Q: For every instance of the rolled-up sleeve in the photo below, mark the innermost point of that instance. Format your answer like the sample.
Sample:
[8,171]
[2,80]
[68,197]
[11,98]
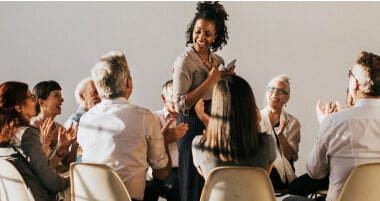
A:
[181,84]
[157,156]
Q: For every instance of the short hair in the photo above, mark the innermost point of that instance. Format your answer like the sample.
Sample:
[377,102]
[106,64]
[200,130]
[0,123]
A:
[42,91]
[369,79]
[11,94]
[232,132]
[80,87]
[280,78]
[110,74]
[212,11]
[165,87]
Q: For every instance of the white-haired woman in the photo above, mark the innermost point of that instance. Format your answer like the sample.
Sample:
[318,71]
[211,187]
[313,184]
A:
[284,128]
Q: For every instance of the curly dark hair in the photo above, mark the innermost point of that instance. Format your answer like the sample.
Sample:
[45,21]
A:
[371,64]
[212,11]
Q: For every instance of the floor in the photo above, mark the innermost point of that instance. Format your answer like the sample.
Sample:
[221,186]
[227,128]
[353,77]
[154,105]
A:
[277,198]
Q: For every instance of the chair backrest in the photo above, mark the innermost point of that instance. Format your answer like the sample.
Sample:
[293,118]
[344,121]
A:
[96,182]
[234,183]
[362,184]
[12,185]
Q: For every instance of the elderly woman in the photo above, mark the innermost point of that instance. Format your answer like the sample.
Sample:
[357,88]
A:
[284,128]
[20,143]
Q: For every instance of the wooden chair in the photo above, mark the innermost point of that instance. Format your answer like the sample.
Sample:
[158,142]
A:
[234,183]
[12,185]
[362,184]
[96,182]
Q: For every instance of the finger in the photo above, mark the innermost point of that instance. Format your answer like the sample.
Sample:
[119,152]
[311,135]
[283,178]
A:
[340,107]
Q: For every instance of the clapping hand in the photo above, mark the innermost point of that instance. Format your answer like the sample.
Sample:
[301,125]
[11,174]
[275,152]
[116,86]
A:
[67,136]
[46,130]
[324,111]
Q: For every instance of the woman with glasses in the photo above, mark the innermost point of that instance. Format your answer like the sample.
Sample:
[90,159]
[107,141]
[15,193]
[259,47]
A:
[20,143]
[284,128]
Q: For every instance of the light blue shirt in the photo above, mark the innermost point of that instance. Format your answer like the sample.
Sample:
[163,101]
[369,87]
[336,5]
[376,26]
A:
[346,139]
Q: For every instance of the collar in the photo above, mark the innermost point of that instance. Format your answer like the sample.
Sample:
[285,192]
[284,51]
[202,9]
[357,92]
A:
[118,100]
[367,101]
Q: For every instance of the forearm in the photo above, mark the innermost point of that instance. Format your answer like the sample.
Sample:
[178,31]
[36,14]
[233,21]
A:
[289,152]
[193,96]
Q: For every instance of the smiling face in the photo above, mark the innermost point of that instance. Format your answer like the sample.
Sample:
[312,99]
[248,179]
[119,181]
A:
[203,35]
[28,107]
[51,106]
[90,96]
[277,95]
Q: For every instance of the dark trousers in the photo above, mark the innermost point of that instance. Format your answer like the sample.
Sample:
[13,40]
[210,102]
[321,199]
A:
[167,188]
[190,182]
[305,185]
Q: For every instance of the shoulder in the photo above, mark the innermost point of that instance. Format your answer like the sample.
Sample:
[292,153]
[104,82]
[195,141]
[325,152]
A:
[219,59]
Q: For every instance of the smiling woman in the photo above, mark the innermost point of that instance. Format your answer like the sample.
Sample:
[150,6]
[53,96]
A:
[194,75]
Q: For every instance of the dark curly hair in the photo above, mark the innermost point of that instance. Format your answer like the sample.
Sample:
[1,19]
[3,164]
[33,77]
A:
[212,11]
[371,64]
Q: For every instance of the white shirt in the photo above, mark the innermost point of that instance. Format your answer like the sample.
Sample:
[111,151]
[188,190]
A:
[164,114]
[292,133]
[125,137]
[346,139]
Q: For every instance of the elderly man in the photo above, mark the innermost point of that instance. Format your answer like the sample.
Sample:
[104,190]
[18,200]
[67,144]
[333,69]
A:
[86,96]
[117,133]
[351,137]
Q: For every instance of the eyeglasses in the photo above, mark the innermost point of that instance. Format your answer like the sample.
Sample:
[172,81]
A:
[278,90]
[351,74]
[33,97]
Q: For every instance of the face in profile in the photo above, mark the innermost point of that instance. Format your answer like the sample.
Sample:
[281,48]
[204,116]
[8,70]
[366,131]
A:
[204,34]
[277,94]
[167,98]
[28,107]
[90,95]
[52,104]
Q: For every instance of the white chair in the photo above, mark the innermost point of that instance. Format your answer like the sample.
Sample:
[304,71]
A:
[96,182]
[12,185]
[362,184]
[234,183]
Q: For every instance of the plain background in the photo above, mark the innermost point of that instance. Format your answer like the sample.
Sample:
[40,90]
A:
[314,43]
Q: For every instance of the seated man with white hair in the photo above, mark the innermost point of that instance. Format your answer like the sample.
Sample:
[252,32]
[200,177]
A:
[117,133]
[86,96]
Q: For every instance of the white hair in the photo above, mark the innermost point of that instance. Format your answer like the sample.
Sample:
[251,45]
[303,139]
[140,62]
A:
[110,74]
[280,78]
[80,87]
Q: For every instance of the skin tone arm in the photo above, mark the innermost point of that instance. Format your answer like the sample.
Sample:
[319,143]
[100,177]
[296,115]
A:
[288,150]
[200,110]
[213,76]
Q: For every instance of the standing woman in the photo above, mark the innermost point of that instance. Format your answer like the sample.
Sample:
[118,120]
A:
[194,75]
[284,128]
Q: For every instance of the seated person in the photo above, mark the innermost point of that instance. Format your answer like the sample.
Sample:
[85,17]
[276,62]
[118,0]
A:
[284,129]
[117,133]
[232,135]
[48,106]
[20,143]
[348,138]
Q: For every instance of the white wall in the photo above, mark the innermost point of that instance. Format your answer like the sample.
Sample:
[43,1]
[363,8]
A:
[313,42]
